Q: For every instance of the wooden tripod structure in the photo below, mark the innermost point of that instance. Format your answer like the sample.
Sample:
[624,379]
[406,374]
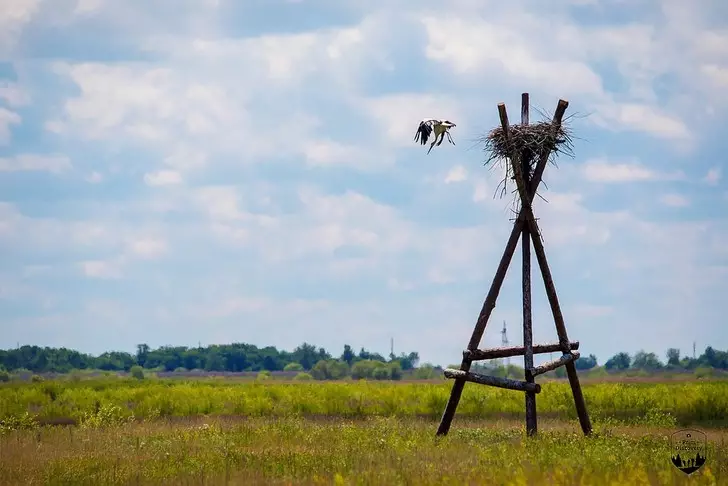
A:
[526,228]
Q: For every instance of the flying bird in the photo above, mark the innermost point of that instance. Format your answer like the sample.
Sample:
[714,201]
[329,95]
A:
[440,127]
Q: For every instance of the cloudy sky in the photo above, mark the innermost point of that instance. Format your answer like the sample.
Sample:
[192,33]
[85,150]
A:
[214,171]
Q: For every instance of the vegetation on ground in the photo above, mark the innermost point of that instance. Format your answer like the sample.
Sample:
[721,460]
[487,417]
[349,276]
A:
[373,451]
[669,404]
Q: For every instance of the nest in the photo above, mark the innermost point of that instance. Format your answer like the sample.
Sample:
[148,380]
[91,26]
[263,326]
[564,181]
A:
[528,141]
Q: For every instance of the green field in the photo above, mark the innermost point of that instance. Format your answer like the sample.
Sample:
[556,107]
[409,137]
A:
[217,432]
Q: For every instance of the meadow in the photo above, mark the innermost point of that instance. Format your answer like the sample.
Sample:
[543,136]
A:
[215,431]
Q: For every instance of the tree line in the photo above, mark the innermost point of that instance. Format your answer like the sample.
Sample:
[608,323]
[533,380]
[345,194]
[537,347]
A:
[318,361]
[227,357]
[650,362]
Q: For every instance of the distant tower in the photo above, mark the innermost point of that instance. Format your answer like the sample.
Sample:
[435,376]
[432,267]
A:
[504,342]
[391,347]
[693,349]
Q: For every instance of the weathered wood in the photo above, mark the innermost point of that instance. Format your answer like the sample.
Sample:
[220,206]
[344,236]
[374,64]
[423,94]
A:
[496,381]
[552,365]
[490,300]
[531,417]
[495,353]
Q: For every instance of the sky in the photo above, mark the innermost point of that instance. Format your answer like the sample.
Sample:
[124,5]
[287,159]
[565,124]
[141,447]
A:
[175,172]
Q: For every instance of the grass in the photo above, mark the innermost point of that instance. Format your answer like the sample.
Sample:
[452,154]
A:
[679,403]
[217,432]
[377,450]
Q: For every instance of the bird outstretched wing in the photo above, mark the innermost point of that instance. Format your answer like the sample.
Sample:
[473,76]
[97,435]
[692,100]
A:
[424,130]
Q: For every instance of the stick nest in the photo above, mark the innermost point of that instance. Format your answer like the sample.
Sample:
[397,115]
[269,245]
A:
[528,142]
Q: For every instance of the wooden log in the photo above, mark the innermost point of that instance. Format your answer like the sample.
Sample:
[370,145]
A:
[578,398]
[495,353]
[552,365]
[525,163]
[500,275]
[496,381]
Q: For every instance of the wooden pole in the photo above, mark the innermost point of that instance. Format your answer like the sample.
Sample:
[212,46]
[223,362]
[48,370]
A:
[531,419]
[496,284]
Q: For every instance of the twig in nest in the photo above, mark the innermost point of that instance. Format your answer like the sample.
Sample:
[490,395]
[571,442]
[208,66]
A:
[525,142]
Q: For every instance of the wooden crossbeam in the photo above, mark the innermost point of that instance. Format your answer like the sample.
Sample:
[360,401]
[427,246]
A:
[552,365]
[496,353]
[496,381]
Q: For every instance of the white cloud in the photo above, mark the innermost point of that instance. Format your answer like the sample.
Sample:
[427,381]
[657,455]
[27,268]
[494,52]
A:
[163,178]
[94,177]
[148,247]
[86,7]
[641,117]
[601,170]
[713,175]
[13,94]
[7,118]
[14,15]
[31,162]
[674,200]
[456,174]
[101,269]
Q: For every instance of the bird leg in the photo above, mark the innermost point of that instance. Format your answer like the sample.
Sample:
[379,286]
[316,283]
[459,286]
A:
[449,137]
[432,144]
[442,137]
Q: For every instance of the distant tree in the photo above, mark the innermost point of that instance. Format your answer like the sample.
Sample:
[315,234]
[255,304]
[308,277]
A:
[307,355]
[142,353]
[714,358]
[348,355]
[646,361]
[586,363]
[366,355]
[214,361]
[673,357]
[408,361]
[619,361]
[293,367]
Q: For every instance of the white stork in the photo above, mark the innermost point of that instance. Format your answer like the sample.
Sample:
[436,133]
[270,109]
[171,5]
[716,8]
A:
[441,128]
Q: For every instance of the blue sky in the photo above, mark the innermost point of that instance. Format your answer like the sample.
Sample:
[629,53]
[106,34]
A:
[179,171]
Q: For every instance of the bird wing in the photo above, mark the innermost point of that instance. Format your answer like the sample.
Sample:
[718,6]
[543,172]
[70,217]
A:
[424,130]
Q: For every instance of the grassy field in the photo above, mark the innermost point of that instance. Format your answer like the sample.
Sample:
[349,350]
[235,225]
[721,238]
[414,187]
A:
[216,432]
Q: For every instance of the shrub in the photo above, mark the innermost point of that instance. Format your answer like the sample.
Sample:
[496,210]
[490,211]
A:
[395,370]
[303,377]
[381,373]
[293,367]
[426,372]
[330,369]
[137,372]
